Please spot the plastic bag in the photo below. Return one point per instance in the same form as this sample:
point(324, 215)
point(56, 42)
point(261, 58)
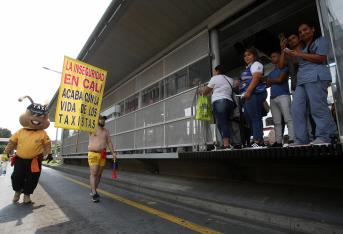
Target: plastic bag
point(4, 157)
point(3, 167)
point(203, 109)
point(114, 170)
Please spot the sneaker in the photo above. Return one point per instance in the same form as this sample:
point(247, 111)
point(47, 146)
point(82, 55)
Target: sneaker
point(219, 148)
point(228, 147)
point(289, 143)
point(95, 198)
point(16, 197)
point(298, 144)
point(91, 194)
point(276, 145)
point(256, 145)
point(318, 141)
point(237, 146)
point(27, 199)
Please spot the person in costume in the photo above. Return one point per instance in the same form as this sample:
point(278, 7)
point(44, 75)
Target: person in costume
point(32, 143)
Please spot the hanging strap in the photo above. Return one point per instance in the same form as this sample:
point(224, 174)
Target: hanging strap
point(232, 97)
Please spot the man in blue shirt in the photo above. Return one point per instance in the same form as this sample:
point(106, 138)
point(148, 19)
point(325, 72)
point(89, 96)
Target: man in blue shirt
point(280, 100)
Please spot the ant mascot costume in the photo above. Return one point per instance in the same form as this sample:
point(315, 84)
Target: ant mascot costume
point(31, 143)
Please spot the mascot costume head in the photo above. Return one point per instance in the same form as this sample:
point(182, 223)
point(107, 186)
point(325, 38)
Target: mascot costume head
point(31, 143)
point(35, 117)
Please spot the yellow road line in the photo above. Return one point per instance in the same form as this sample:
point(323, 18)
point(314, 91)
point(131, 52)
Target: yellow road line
point(161, 214)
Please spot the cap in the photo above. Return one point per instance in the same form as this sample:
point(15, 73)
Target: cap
point(38, 109)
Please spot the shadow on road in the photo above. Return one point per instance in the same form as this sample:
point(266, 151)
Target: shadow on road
point(16, 212)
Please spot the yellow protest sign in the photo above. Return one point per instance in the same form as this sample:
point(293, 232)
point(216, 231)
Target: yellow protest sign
point(80, 96)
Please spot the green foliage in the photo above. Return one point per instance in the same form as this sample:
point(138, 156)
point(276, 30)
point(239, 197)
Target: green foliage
point(5, 133)
point(2, 147)
point(56, 148)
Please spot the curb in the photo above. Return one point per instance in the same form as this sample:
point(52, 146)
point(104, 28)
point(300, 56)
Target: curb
point(291, 224)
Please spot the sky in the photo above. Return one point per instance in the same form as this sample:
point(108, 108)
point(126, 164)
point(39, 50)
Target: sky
point(38, 34)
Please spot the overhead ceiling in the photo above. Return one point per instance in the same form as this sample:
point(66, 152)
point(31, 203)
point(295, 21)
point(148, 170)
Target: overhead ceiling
point(140, 29)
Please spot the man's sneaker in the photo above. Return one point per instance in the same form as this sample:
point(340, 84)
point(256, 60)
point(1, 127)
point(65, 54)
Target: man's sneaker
point(229, 147)
point(91, 194)
point(256, 145)
point(289, 143)
point(276, 145)
point(237, 147)
point(220, 148)
point(27, 199)
point(318, 141)
point(95, 198)
point(16, 197)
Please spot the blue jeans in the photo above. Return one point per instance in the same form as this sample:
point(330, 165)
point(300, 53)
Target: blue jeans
point(253, 109)
point(312, 96)
point(222, 110)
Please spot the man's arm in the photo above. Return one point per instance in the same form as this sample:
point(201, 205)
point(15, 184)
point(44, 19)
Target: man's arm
point(47, 149)
point(12, 144)
point(110, 145)
point(280, 79)
point(314, 58)
point(10, 147)
point(282, 61)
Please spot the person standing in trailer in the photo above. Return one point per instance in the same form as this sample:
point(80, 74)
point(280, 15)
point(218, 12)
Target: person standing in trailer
point(254, 93)
point(313, 80)
point(280, 100)
point(293, 42)
point(221, 88)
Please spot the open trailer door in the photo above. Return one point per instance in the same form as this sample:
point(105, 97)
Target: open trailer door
point(331, 18)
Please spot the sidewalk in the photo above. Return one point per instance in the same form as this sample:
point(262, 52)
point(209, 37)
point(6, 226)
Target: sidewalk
point(296, 209)
point(20, 218)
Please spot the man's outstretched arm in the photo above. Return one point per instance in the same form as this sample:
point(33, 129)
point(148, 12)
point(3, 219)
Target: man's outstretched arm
point(110, 145)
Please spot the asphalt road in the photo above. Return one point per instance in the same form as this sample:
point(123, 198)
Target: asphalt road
point(62, 205)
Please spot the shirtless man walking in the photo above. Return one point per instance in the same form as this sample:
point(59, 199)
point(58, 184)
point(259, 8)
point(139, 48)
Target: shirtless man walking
point(97, 155)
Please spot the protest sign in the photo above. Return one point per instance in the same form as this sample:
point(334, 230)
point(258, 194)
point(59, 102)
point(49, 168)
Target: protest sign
point(80, 96)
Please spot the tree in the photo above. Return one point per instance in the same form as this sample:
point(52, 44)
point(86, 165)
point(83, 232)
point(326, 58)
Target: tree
point(5, 133)
point(56, 147)
point(2, 147)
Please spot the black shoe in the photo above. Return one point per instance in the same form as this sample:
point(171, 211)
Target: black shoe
point(237, 146)
point(276, 145)
point(95, 198)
